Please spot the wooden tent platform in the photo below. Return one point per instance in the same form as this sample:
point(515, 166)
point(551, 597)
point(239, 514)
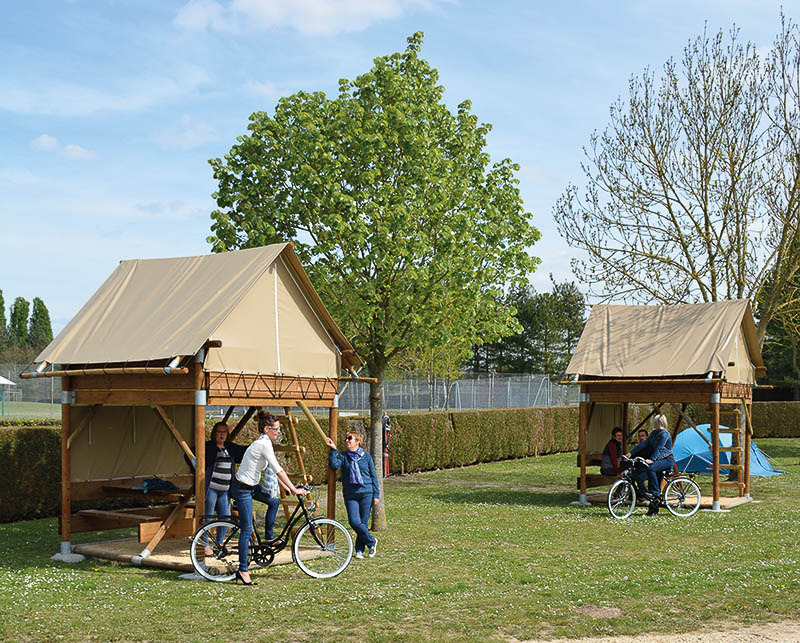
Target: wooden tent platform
point(705, 501)
point(171, 554)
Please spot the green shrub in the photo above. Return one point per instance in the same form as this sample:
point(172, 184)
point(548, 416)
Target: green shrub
point(31, 485)
point(776, 419)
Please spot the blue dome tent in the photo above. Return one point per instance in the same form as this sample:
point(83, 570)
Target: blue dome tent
point(693, 453)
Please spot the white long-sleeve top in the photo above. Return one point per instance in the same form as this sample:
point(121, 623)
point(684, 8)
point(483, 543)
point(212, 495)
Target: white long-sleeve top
point(259, 456)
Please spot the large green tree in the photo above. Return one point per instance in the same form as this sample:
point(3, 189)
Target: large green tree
point(692, 192)
point(393, 204)
point(18, 323)
point(40, 331)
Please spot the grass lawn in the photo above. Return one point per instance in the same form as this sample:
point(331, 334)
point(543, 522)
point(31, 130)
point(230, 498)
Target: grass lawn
point(31, 410)
point(486, 552)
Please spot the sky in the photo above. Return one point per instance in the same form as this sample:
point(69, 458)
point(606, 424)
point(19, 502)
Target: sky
point(111, 109)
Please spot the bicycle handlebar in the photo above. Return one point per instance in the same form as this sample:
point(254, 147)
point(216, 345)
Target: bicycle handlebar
point(637, 458)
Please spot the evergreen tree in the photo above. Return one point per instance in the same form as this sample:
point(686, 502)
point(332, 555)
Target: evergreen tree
point(40, 332)
point(18, 324)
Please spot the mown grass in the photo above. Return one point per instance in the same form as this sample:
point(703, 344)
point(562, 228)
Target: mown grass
point(31, 410)
point(486, 552)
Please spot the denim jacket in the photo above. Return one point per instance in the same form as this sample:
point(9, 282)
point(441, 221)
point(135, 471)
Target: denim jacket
point(369, 476)
point(657, 446)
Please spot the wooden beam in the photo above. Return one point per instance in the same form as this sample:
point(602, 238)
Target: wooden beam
point(133, 370)
point(175, 433)
point(312, 419)
point(715, 453)
point(242, 422)
point(333, 428)
point(165, 397)
point(689, 421)
point(228, 414)
point(583, 423)
point(748, 437)
point(199, 426)
point(162, 529)
point(83, 423)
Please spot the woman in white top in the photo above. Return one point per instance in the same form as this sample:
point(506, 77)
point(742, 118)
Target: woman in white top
point(259, 456)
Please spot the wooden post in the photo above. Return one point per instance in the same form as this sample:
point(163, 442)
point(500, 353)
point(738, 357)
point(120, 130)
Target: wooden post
point(748, 436)
point(333, 421)
point(715, 400)
point(625, 423)
point(582, 428)
point(66, 474)
point(199, 437)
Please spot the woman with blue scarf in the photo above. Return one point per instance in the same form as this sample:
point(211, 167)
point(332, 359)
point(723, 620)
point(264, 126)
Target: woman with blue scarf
point(359, 488)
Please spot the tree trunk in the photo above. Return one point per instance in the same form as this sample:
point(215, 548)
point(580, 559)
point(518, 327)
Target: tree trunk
point(376, 439)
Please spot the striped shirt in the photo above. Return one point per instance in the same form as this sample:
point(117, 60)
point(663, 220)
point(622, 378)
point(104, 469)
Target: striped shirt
point(223, 471)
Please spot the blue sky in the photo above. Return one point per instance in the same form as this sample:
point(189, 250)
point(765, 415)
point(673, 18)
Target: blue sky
point(110, 110)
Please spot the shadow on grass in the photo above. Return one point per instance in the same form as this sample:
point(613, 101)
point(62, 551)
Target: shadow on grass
point(501, 497)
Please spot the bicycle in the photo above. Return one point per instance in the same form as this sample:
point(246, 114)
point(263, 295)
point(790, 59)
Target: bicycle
point(321, 547)
point(681, 495)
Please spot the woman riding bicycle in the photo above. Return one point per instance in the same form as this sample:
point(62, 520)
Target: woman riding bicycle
point(259, 456)
point(657, 451)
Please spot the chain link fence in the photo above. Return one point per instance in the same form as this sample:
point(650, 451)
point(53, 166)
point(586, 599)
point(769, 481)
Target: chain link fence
point(471, 391)
point(41, 397)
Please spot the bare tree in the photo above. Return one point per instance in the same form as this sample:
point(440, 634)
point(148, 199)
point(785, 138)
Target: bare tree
point(692, 189)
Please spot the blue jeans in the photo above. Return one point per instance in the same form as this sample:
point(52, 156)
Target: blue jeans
point(273, 504)
point(218, 502)
point(244, 505)
point(653, 474)
point(358, 510)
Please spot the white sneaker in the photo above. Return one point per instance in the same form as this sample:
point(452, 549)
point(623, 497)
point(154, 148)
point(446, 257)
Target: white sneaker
point(359, 554)
point(373, 548)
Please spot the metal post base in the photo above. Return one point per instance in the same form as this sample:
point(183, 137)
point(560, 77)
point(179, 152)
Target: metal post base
point(581, 501)
point(66, 555)
point(191, 576)
point(715, 508)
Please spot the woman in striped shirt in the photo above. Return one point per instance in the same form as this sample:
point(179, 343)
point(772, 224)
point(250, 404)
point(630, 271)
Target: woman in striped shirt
point(220, 458)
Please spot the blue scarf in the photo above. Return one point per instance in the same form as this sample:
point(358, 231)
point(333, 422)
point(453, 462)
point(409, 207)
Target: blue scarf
point(355, 470)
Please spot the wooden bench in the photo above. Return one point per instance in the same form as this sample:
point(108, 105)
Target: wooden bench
point(594, 479)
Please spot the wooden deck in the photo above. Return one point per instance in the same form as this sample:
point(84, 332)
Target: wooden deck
point(705, 501)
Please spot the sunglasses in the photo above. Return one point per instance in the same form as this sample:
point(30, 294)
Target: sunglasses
point(350, 437)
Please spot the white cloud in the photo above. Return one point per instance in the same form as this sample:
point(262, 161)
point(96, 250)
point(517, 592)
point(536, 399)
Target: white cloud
point(268, 90)
point(305, 16)
point(44, 142)
point(72, 151)
point(46, 96)
point(47, 143)
point(190, 134)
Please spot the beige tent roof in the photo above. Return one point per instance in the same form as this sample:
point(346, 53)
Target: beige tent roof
point(663, 341)
point(258, 302)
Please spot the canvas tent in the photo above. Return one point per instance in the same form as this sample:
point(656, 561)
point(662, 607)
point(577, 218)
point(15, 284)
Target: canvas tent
point(692, 450)
point(666, 355)
point(159, 341)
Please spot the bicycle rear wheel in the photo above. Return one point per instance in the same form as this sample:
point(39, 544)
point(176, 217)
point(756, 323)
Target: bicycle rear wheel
point(621, 499)
point(322, 548)
point(682, 497)
point(223, 539)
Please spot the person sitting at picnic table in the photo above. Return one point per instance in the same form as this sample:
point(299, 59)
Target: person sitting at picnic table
point(609, 461)
point(642, 435)
point(657, 451)
point(359, 488)
point(220, 458)
point(257, 458)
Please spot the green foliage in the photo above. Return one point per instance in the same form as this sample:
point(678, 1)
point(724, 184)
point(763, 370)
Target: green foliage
point(393, 206)
point(18, 323)
point(40, 332)
point(3, 324)
point(31, 484)
point(551, 323)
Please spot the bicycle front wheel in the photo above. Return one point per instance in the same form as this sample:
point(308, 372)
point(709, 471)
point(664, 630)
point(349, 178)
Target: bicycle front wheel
point(682, 497)
point(621, 499)
point(223, 539)
point(322, 548)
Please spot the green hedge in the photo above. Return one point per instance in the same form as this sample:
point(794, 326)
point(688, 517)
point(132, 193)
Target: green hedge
point(31, 485)
point(30, 449)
